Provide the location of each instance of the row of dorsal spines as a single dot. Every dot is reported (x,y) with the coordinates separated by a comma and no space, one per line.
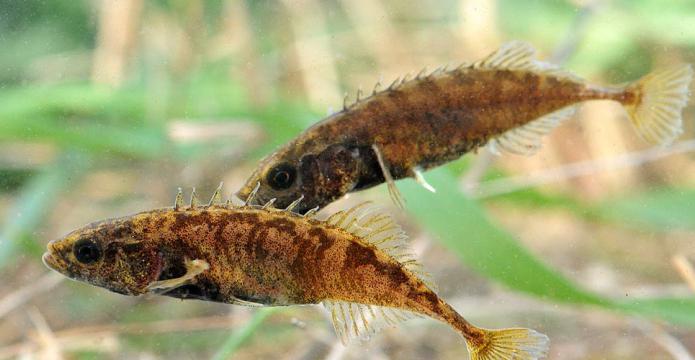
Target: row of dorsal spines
(513,55)
(217,200)
(397,83)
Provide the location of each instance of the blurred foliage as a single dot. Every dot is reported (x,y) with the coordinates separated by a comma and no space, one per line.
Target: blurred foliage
(35,28)
(33,204)
(240,336)
(661,210)
(493,252)
(92,127)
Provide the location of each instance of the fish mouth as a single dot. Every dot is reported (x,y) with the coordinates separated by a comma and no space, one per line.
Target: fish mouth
(50,261)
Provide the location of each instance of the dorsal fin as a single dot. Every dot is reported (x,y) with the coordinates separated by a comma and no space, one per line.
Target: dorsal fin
(519,55)
(514,55)
(374,226)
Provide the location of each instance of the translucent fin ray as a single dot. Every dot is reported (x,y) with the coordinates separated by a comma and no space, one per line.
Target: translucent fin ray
(294,204)
(311,213)
(269,204)
(216,198)
(515,55)
(505,344)
(528,139)
(252,195)
(395,195)
(178,202)
(194,200)
(420,179)
(519,55)
(193,269)
(657,115)
(360,321)
(375,227)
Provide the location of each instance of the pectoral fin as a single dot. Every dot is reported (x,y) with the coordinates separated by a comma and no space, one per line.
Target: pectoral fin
(193,269)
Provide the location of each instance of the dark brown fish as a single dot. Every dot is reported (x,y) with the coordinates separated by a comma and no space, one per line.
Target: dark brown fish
(355,263)
(508,100)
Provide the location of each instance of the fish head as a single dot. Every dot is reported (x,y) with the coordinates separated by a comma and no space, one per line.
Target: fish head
(318,177)
(111,254)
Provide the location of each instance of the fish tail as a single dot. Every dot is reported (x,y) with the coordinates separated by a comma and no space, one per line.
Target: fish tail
(518,343)
(656,109)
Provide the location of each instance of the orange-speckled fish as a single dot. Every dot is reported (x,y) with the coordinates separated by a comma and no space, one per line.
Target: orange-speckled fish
(355,263)
(508,100)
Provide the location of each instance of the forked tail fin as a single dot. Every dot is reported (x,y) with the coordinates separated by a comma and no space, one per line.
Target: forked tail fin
(504,344)
(661,97)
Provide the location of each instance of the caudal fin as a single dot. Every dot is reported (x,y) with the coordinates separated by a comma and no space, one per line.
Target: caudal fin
(504,344)
(661,97)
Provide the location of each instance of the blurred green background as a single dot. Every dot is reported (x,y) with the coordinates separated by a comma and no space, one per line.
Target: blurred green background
(106,107)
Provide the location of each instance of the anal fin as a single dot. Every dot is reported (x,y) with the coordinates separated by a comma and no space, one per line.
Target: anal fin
(361,321)
(528,139)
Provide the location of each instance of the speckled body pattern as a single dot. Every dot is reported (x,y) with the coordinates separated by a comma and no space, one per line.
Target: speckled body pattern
(422,123)
(267,257)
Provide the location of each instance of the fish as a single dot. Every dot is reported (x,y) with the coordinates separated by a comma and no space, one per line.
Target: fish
(507,101)
(355,263)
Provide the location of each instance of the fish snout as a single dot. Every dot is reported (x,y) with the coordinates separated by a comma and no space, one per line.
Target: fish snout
(49,261)
(50,247)
(51,257)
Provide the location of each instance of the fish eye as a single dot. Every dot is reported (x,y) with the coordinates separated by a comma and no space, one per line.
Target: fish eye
(281,176)
(86,251)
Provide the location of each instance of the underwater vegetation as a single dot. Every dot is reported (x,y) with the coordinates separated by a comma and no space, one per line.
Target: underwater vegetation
(106,109)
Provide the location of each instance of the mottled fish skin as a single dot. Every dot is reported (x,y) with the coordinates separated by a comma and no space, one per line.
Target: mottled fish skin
(127,265)
(423,123)
(263,256)
(353,262)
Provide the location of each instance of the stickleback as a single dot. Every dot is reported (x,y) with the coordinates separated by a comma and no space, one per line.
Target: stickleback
(508,101)
(355,263)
